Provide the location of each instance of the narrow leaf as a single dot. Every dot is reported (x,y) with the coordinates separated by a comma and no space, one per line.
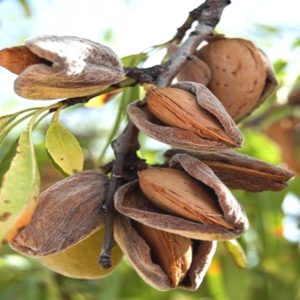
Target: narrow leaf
(64,148)
(20,188)
(237,253)
(5,120)
(134,59)
(7,159)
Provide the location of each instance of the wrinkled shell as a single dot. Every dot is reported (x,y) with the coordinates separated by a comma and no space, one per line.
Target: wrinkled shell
(79,67)
(239,74)
(181,138)
(240,171)
(67,212)
(286,133)
(138,253)
(130,201)
(81,260)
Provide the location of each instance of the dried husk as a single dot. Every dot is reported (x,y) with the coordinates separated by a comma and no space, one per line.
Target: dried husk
(241,74)
(70,67)
(68,212)
(81,260)
(183,138)
(286,133)
(139,254)
(239,171)
(172,252)
(131,202)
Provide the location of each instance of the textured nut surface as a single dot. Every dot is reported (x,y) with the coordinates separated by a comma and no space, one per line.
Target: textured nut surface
(238,74)
(175,191)
(195,70)
(172,252)
(178,108)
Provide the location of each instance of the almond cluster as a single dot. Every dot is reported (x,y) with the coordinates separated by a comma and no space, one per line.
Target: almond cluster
(170,216)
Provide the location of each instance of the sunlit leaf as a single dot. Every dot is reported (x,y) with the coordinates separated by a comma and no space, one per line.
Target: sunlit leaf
(26,7)
(134,60)
(20,187)
(296,43)
(237,253)
(99,101)
(260,146)
(64,148)
(5,120)
(7,159)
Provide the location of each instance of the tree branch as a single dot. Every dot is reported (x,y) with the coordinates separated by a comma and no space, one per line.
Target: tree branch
(209,15)
(126,145)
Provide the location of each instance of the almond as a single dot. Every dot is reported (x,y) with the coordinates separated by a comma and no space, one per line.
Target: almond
(171,251)
(178,108)
(239,74)
(175,191)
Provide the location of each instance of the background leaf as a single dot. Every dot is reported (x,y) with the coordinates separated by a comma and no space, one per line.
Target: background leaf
(64,148)
(237,253)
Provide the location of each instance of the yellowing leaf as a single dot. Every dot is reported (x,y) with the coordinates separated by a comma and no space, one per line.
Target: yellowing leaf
(99,101)
(20,188)
(64,148)
(5,120)
(237,253)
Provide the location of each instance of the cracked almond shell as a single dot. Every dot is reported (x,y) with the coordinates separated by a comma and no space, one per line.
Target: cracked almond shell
(239,171)
(241,74)
(133,203)
(184,137)
(139,254)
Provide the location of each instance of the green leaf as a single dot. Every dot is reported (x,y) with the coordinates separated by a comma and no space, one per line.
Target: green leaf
(134,60)
(7,159)
(20,184)
(5,120)
(64,148)
(236,252)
